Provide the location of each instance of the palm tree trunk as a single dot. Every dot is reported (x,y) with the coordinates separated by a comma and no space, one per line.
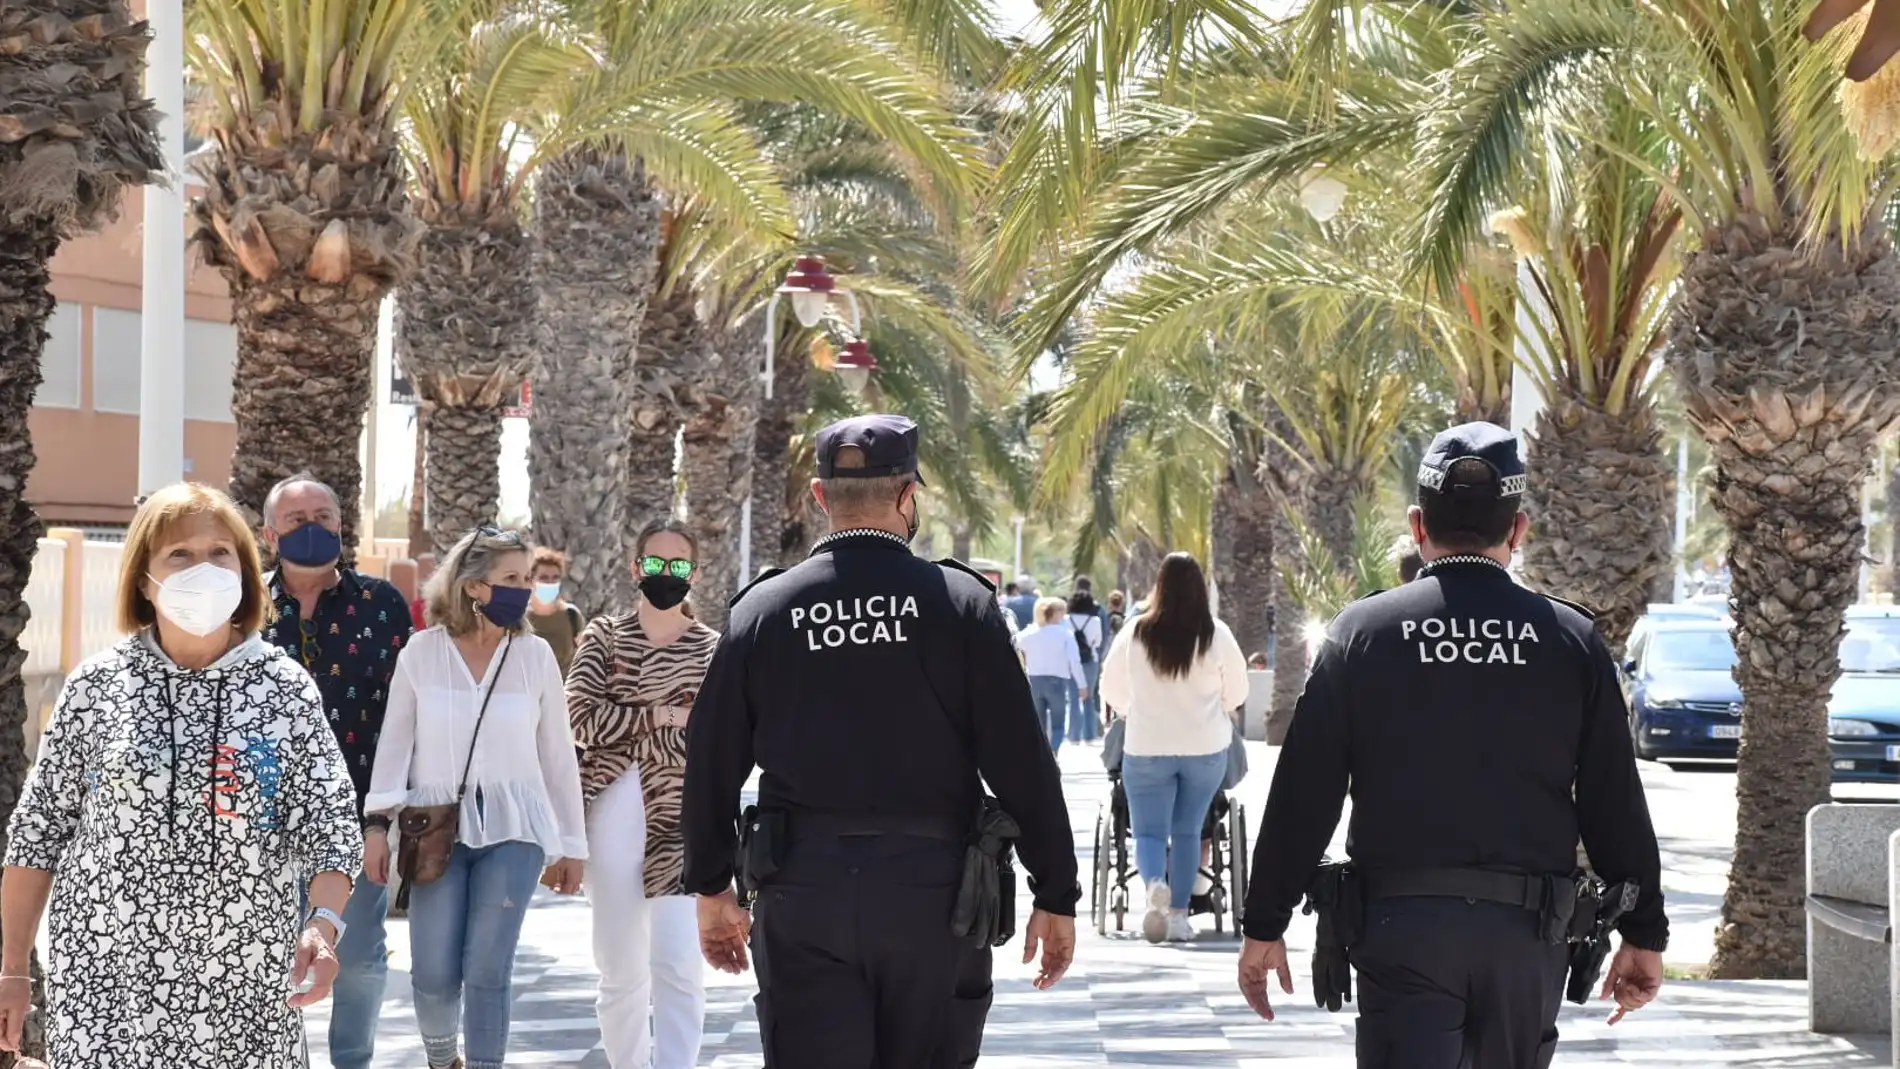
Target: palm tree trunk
(465,329)
(1144,566)
(780,419)
(464,473)
(808,524)
(310,230)
(718,443)
(673,343)
(1243,557)
(596,235)
(26,301)
(419,542)
(962,543)
(1601,485)
(1792,406)
(1893,531)
(1289,631)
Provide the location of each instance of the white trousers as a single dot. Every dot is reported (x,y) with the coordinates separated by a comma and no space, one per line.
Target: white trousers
(647,949)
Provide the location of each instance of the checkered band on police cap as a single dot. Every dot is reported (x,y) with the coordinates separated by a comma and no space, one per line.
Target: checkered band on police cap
(1487,442)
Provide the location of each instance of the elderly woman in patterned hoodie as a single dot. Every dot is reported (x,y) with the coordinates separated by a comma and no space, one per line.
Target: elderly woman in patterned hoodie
(629,692)
(187,781)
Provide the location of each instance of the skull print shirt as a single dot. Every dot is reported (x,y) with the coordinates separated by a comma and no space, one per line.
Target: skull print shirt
(181,813)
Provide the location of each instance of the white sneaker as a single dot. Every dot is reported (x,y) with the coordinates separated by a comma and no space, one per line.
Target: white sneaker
(1180,930)
(1154,926)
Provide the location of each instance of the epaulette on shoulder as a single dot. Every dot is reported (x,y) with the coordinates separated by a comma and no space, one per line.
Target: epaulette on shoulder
(1588,614)
(952,562)
(756,580)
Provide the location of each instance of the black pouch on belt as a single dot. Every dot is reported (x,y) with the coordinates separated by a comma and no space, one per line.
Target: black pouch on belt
(1559,909)
(762,842)
(985,911)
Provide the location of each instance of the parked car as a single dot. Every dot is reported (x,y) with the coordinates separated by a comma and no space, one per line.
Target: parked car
(1863,716)
(1671,612)
(1685,706)
(1684,703)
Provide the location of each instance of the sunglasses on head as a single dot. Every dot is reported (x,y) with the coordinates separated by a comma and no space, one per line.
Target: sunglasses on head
(489,530)
(677,567)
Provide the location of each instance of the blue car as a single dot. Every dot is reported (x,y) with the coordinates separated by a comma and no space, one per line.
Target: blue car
(1685,706)
(1684,703)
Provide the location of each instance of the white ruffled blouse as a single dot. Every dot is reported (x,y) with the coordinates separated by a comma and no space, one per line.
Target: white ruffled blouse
(524,784)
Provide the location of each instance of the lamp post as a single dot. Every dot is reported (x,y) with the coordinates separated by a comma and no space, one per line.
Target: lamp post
(812,287)
(162,283)
(1018,521)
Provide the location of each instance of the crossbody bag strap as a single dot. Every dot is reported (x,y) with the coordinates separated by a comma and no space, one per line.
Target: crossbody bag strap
(461,789)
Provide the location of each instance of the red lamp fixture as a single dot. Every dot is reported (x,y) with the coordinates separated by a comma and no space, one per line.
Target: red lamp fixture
(809,284)
(854,365)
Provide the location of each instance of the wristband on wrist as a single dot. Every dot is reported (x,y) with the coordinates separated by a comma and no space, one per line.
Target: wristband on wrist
(376,821)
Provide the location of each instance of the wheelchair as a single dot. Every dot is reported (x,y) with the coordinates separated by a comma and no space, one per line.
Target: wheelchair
(1225,870)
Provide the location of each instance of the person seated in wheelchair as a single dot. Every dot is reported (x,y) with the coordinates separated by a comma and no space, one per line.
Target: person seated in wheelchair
(1174,676)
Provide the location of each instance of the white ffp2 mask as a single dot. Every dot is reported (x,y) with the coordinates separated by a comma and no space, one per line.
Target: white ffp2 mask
(201,598)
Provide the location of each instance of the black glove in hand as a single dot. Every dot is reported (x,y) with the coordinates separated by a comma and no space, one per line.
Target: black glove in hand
(1332,973)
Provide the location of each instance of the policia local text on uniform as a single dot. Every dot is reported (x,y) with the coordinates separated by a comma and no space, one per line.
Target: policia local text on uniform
(1480,729)
(871,687)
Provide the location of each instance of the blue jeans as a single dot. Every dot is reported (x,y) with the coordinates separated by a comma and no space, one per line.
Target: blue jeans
(357,999)
(1168,799)
(1085,714)
(463,929)
(1051,694)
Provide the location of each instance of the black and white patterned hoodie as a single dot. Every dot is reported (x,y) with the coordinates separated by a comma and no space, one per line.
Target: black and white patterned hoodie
(182,812)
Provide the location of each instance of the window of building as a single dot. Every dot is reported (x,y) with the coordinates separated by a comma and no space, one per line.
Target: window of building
(115,360)
(210,362)
(60,359)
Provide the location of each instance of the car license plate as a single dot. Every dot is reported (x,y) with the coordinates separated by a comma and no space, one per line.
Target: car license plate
(1725,731)
(1893,753)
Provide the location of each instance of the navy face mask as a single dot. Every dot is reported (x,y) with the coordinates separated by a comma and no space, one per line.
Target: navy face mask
(310,546)
(506,605)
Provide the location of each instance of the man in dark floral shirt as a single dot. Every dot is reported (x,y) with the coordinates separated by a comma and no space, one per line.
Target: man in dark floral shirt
(346,629)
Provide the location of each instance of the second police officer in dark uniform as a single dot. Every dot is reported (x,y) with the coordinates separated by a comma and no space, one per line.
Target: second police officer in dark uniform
(871,687)
(1479,728)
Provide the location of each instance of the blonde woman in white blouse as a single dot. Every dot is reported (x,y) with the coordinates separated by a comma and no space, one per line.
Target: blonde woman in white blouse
(1176,674)
(521,811)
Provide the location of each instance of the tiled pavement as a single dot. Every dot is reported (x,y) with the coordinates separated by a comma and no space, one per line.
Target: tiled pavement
(1130,1004)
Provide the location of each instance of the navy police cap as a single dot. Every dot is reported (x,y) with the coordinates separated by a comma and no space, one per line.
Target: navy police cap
(889,445)
(1487,442)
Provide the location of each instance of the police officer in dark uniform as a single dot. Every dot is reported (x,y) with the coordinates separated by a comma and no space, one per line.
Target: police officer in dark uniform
(871,687)
(1461,711)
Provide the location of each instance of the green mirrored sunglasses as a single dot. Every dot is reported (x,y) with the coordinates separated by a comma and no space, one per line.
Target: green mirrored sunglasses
(678,568)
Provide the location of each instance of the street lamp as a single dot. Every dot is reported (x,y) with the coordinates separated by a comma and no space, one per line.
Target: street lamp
(1321,194)
(854,366)
(812,288)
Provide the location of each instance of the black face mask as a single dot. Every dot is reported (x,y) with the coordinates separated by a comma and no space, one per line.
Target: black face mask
(664,591)
(912,521)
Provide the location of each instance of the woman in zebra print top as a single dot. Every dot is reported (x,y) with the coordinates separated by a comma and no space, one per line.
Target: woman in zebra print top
(629,690)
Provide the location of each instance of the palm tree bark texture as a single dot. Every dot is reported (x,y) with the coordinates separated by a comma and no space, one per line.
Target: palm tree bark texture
(1786,358)
(716,451)
(675,346)
(596,236)
(1282,481)
(465,333)
(310,230)
(1600,501)
(1243,557)
(77,130)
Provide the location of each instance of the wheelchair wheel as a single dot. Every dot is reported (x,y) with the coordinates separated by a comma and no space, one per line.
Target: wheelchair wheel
(1098,898)
(1237,843)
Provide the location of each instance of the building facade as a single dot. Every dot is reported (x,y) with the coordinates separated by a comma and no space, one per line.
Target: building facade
(85,421)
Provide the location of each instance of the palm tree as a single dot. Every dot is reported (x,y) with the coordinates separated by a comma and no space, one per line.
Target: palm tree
(77,132)
(1780,342)
(465,330)
(306,215)
(659,113)
(1600,268)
